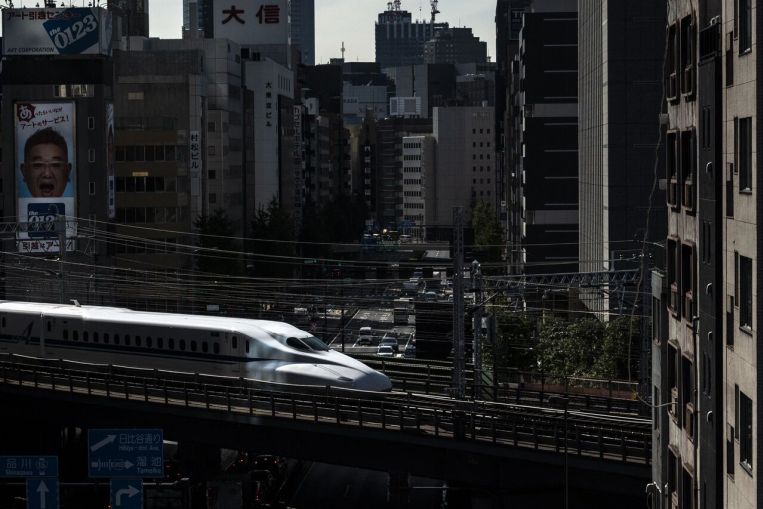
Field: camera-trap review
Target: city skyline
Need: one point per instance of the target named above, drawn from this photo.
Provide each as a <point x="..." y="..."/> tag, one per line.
<point x="358" y="37"/>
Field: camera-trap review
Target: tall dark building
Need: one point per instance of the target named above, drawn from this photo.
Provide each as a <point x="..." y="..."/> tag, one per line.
<point x="130" y="17"/>
<point x="455" y="46"/>
<point x="544" y="148"/>
<point x="620" y="52"/>
<point x="303" y="29"/>
<point x="400" y="40"/>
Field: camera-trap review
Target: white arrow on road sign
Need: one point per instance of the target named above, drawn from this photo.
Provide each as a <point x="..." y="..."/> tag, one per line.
<point x="43" y="491"/>
<point x="103" y="443"/>
<point x="131" y="491"/>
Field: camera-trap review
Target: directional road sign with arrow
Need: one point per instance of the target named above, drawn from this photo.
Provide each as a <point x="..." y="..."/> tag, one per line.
<point x="127" y="494"/>
<point x="125" y="453"/>
<point x="42" y="493"/>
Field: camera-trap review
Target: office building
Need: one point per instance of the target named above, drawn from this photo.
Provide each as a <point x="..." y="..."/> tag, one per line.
<point x="465" y="169"/>
<point x="418" y="179"/>
<point x="620" y="54"/>
<point x="544" y="160"/>
<point x="435" y="84"/>
<point x="399" y="39"/>
<point x="303" y="29"/>
<point x="705" y="354"/>
<point x="455" y="46"/>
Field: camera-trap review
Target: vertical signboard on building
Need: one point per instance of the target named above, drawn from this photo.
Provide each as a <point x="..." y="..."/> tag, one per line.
<point x="516" y="23"/>
<point x="46" y="172"/>
<point x="299" y="166"/>
<point x="196" y="162"/>
<point x="110" y="160"/>
<point x="252" y="22"/>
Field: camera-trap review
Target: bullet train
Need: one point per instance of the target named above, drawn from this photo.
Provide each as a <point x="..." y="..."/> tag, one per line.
<point x="254" y="349"/>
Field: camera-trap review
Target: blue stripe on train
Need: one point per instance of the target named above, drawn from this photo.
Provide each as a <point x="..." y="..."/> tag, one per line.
<point x="122" y="349"/>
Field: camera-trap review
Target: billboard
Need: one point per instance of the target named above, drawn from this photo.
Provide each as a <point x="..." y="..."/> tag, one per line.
<point x="252" y="22"/>
<point x="110" y="161"/>
<point x="52" y="31"/>
<point x="46" y="172"/>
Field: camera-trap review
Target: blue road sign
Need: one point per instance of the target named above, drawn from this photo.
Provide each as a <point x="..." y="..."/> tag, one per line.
<point x="127" y="494"/>
<point x="125" y="453"/>
<point x="28" y="466"/>
<point x="42" y="493"/>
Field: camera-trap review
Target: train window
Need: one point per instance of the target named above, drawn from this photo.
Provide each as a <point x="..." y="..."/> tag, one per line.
<point x="297" y="344"/>
<point x="159" y="343"/>
<point x="315" y="344"/>
<point x="193" y="346"/>
<point x="84" y="336"/>
<point x="95" y="337"/>
<point x="149" y="342"/>
<point x="75" y="335"/>
<point x="247" y="346"/>
<point x="49" y="326"/>
<point x="138" y="341"/>
<point x="116" y="339"/>
<point x="182" y="344"/>
<point x="127" y="340"/>
<point x="234" y="343"/>
<point x="215" y="334"/>
<point x="204" y="346"/>
<point x="171" y="343"/>
<point x="105" y="338"/>
<point x="66" y="334"/>
<point x="216" y="347"/>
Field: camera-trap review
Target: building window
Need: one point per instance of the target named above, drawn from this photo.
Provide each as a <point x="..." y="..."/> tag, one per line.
<point x="745" y="433"/>
<point x="671" y="86"/>
<point x="744" y="153"/>
<point x="211" y="150"/>
<point x="92" y="188"/>
<point x="745" y="293"/>
<point x="211" y="127"/>
<point x="212" y="198"/>
<point x="688" y="281"/>
<point x="674" y="304"/>
<point x="212" y="174"/>
<point x="689" y="168"/>
<point x="134" y="96"/>
<point x="91" y="123"/>
<point x="91" y="155"/>
<point x="671" y="163"/>
<point x="745" y="26"/>
<point x="688" y="33"/>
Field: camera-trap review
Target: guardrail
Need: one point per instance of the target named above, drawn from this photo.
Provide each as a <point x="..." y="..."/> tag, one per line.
<point x="513" y="386"/>
<point x="590" y="435"/>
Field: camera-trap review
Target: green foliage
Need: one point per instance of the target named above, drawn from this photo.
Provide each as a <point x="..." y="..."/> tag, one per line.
<point x="217" y="244"/>
<point x="272" y="224"/>
<point x="587" y="347"/>
<point x="487" y="233"/>
<point x="513" y="343"/>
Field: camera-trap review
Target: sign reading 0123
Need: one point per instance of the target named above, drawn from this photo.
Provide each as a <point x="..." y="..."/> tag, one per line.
<point x="72" y="32"/>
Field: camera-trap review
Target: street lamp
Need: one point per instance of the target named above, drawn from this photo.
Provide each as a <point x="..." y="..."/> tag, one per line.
<point x="561" y="400"/>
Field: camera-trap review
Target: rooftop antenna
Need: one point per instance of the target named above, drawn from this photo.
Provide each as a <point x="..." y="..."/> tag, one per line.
<point x="343" y="50"/>
<point x="396" y="3"/>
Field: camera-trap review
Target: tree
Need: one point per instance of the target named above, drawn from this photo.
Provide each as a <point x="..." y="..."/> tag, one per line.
<point x="570" y="349"/>
<point x="273" y="258"/>
<point x="487" y="233"/>
<point x="216" y="244"/>
<point x="514" y="342"/>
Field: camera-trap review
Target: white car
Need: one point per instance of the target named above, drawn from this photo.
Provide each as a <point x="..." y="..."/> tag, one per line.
<point x="385" y="351"/>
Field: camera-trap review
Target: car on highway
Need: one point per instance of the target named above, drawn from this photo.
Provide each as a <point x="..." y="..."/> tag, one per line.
<point x="385" y="351"/>
<point x="390" y="340"/>
<point x="410" y="352"/>
<point x="365" y="336"/>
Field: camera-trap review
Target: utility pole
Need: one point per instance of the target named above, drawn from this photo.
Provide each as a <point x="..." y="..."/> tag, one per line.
<point x="341" y="324"/>
<point x="61" y="230"/>
<point x="477" y="345"/>
<point x="458" y="303"/>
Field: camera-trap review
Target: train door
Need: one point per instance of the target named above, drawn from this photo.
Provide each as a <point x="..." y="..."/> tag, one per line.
<point x="232" y="347"/>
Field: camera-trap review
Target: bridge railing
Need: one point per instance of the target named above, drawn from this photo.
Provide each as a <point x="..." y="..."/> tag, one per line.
<point x="619" y="439"/>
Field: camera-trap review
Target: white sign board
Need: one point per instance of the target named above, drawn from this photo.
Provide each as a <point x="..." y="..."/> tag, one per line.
<point x="51" y="31"/>
<point x="252" y="22"/>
